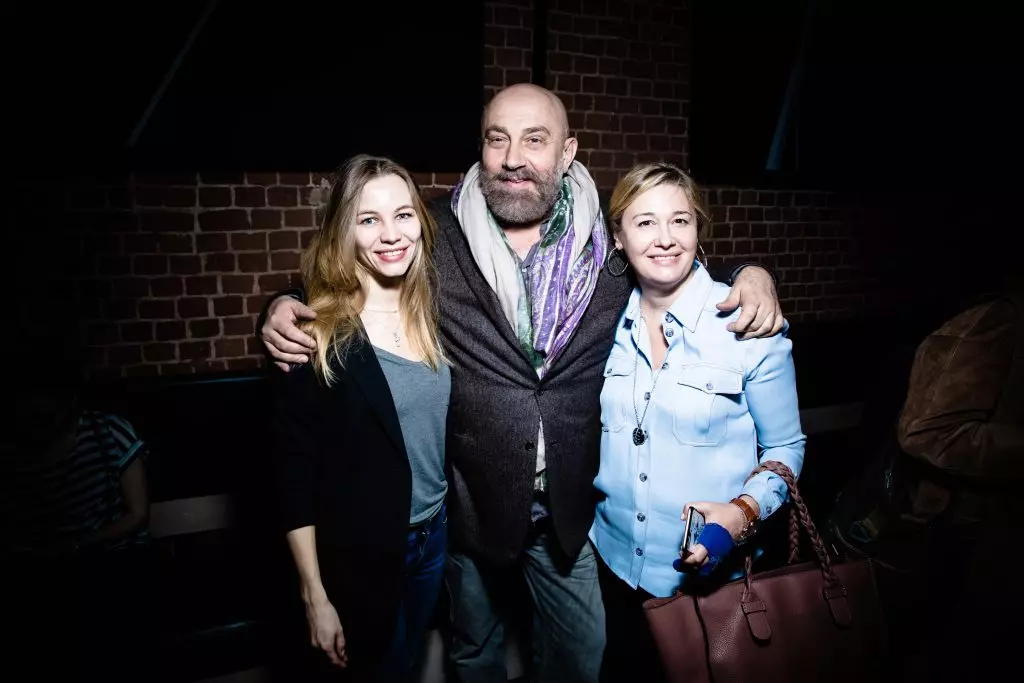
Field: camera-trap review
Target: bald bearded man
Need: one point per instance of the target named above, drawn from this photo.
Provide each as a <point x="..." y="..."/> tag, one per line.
<point x="528" y="310"/>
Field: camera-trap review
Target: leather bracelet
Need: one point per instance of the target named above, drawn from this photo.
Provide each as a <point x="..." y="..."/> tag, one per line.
<point x="750" y="518"/>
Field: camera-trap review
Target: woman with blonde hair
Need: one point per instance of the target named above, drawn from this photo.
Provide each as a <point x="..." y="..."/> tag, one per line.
<point x="687" y="412"/>
<point x="359" y="431"/>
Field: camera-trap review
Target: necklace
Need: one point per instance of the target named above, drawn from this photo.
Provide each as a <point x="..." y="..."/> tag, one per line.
<point x="639" y="435"/>
<point x="393" y="332"/>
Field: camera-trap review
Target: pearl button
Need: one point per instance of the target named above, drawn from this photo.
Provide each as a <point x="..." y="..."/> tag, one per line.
<point x="709" y="386"/>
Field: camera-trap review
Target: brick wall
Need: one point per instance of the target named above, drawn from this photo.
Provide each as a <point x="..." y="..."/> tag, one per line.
<point x="168" y="273"/>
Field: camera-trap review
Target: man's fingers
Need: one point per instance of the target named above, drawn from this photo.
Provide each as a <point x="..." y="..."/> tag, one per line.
<point x="284" y="367"/>
<point x="760" y="327"/>
<point x="296" y="336"/>
<point x="743" y="322"/>
<point x="730" y="303"/>
<point x="328" y="649"/>
<point x="279" y="347"/>
<point x="303" y="312"/>
<point x="780" y="321"/>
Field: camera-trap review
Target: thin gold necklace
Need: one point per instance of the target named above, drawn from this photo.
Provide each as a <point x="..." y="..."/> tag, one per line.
<point x="394" y="332"/>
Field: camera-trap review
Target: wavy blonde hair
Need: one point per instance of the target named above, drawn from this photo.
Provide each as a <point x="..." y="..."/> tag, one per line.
<point x="646" y="177"/>
<point x="334" y="275"/>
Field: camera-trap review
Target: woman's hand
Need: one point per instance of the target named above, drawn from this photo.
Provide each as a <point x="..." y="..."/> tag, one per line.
<point x="727" y="515"/>
<point x="325" y="630"/>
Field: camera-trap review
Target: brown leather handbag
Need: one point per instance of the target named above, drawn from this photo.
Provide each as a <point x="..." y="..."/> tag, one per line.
<point x="815" y="621"/>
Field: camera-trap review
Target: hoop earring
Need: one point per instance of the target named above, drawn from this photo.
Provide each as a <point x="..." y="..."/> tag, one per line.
<point x="617" y="254"/>
<point x="703" y="260"/>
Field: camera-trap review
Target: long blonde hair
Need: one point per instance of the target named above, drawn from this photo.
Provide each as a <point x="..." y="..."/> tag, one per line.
<point x="646" y="177"/>
<point x="333" y="274"/>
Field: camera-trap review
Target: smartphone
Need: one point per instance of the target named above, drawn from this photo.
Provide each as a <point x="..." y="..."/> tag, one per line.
<point x="691" y="532"/>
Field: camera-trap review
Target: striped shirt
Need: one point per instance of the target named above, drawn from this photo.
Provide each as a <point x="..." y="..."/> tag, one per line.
<point x="49" y="500"/>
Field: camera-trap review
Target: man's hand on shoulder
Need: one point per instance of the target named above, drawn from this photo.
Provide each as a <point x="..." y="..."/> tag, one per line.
<point x="753" y="291"/>
<point x="280" y="333"/>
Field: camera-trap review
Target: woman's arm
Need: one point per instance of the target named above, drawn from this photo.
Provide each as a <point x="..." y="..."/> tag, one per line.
<point x="770" y="390"/>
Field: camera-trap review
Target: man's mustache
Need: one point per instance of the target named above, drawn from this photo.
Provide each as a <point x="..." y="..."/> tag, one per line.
<point x="514" y="176"/>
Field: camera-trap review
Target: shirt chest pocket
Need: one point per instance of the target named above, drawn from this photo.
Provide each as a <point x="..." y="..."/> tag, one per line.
<point x="707" y="396"/>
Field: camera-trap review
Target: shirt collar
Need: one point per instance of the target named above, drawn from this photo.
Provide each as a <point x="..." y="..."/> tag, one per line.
<point x="688" y="305"/>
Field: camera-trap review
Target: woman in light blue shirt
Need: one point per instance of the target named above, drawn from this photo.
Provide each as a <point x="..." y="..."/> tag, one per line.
<point x="688" y="410"/>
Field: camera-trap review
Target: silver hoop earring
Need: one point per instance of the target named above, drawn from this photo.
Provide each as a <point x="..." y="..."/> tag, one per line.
<point x="703" y="260"/>
<point x="618" y="255"/>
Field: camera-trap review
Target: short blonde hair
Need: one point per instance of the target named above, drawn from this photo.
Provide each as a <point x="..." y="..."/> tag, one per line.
<point x="646" y="177"/>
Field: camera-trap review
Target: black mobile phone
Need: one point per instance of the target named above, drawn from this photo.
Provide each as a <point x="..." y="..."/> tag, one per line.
<point x="691" y="532"/>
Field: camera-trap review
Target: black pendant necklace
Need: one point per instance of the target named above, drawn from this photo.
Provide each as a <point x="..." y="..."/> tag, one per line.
<point x="639" y="435"/>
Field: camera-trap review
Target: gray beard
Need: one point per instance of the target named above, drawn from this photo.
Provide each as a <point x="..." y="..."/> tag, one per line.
<point x="525" y="207"/>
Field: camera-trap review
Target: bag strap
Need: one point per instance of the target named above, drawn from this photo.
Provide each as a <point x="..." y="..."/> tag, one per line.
<point x="799" y="517"/>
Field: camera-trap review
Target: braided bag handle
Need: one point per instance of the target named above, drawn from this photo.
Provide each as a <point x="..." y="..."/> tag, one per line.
<point x="798" y="517"/>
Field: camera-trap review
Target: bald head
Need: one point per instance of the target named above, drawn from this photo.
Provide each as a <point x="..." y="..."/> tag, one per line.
<point x="527" y="99"/>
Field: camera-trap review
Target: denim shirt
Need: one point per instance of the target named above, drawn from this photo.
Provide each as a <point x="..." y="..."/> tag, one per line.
<point x="718" y="404"/>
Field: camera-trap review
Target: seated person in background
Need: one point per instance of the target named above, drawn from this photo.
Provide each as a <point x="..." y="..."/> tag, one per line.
<point x="73" y="479"/>
<point x="73" y="504"/>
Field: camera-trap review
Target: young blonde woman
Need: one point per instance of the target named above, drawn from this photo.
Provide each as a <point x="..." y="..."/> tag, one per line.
<point x="359" y="431"/>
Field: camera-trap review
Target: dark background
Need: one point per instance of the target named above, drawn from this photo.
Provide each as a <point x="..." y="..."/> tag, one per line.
<point x="285" y="86"/>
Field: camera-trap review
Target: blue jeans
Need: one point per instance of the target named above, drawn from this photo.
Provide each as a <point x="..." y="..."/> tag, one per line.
<point x="568" y="615"/>
<point x="424" y="573"/>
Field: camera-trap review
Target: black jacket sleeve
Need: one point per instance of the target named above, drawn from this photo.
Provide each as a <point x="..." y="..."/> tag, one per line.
<point x="294" y="433"/>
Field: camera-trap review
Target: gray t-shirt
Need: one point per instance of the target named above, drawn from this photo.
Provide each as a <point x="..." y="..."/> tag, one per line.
<point x="421" y="401"/>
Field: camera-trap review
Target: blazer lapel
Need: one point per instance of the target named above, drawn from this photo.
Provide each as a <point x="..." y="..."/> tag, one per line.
<point x="362" y="366"/>
<point x="489" y="302"/>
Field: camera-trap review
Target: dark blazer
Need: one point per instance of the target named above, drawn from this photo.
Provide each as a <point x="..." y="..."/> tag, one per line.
<point x="497" y="402"/>
<point x="341" y="466"/>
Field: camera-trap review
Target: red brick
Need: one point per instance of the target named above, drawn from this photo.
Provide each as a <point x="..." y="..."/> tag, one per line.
<point x="201" y="284"/>
<point x="239" y="325"/>
<point x="261" y="178"/>
<point x="560" y="63"/>
<point x="237" y="284"/>
<point x="285" y="260"/>
<point x="155" y="353"/>
<point x="252" y="263"/>
<point x="298" y="179"/>
<point x="185" y="265"/>
<point x="282" y="196"/>
<point x="254" y="346"/>
<point x="194" y="350"/>
<point x="228" y="305"/>
<point x="203" y="329"/>
<point x="584" y="65"/>
<point x="249" y="241"/>
<point x="219" y="263"/>
<point x="214" y="196"/>
<point x="167" y="221"/>
<point x="149" y="264"/>
<point x="130" y="287"/>
<point x="226" y="219"/>
<point x="207" y="366"/>
<point x="213" y="242"/>
<point x="170" y="330"/>
<point x="266" y="219"/>
<point x="509" y="58"/>
<point x="141" y="243"/>
<point x="152" y="309"/>
<point x="254" y="304"/>
<point x="174" y="369"/>
<point x="241" y="364"/>
<point x="194" y="307"/>
<point x="507" y="16"/>
<point x="125" y="354"/>
<point x="306" y="236"/>
<point x="172" y="243"/>
<point x="137" y="332"/>
<point x="229" y="348"/>
<point x="284" y="239"/>
<point x="166" y="286"/>
<point x="141" y="371"/>
<point x="250" y="196"/>
<point x="275" y="282"/>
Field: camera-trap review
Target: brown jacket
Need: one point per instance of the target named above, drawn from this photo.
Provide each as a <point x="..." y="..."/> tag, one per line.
<point x="964" y="412"/>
